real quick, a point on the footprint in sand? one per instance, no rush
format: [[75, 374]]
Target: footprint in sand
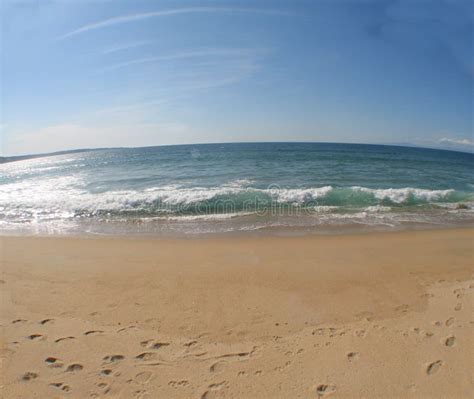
[[158, 345], [34, 336], [360, 333], [29, 375], [458, 307], [93, 332], [212, 390], [64, 339], [366, 315], [217, 367], [434, 367], [145, 356], [153, 344], [56, 384], [240, 355], [53, 362], [72, 368], [177, 384], [113, 358], [352, 356], [123, 329], [144, 377], [140, 394], [106, 372], [402, 308], [428, 334], [45, 321], [427, 295], [104, 386], [325, 390], [60, 385], [450, 341], [449, 322], [19, 321]]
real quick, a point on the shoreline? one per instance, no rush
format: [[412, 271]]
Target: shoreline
[[272, 231], [359, 315]]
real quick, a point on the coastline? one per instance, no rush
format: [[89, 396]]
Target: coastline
[[381, 314], [187, 231]]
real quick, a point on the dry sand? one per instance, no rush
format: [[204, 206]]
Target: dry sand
[[364, 316]]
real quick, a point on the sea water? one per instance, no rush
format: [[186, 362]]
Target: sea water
[[249, 187]]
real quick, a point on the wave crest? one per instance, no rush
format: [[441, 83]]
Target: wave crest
[[400, 195], [64, 199]]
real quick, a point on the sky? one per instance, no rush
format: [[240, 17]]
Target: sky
[[86, 74]]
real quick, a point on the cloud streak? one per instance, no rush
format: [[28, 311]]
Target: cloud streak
[[126, 46], [132, 107], [163, 13], [184, 55]]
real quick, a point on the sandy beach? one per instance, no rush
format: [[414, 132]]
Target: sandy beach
[[386, 315]]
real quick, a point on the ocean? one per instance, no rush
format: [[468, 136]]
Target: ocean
[[277, 188]]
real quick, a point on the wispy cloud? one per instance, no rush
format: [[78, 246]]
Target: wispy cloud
[[184, 55], [132, 107], [209, 75], [458, 142], [163, 13], [215, 68], [126, 46]]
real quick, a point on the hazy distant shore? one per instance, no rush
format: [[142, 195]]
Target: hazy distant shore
[[375, 315]]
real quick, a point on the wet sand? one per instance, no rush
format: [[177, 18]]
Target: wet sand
[[353, 316]]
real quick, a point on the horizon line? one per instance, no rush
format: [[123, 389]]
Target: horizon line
[[86, 149]]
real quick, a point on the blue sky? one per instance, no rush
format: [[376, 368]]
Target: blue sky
[[81, 74]]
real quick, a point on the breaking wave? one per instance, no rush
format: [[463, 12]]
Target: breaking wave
[[61, 198]]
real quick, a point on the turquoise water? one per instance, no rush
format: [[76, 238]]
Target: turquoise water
[[216, 188]]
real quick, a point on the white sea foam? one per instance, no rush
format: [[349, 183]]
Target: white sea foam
[[299, 196], [66, 196], [377, 208], [400, 195], [325, 208], [217, 216]]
